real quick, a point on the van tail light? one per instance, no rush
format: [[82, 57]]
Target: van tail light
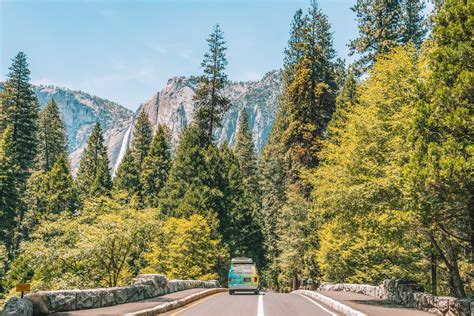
[[255, 279], [229, 280]]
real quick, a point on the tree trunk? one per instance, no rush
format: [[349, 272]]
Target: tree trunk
[[295, 281], [449, 258], [434, 276]]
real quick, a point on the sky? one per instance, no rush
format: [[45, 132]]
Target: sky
[[125, 51]]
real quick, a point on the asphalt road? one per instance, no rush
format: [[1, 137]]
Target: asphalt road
[[265, 304]]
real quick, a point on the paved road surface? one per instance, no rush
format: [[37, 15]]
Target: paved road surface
[[265, 304]]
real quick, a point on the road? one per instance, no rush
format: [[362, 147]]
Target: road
[[265, 304]]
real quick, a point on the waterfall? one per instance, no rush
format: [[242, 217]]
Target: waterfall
[[123, 148]]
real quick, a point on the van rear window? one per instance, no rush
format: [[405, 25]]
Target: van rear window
[[243, 268]]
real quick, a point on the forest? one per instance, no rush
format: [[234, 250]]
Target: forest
[[366, 176]]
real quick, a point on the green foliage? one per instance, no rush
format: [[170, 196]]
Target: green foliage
[[184, 248], [93, 176], [52, 141], [385, 24], [414, 22], [358, 188], [291, 227], [244, 151], [441, 163], [127, 176], [97, 248], [19, 108], [9, 196], [156, 167], [141, 139], [211, 104], [244, 234]]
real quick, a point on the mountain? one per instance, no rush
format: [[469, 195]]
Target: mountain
[[173, 106], [80, 111]]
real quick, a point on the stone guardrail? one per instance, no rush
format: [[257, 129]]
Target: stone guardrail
[[409, 294], [142, 287]]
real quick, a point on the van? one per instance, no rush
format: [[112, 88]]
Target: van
[[243, 276]]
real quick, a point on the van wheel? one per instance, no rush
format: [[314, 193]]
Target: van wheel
[[231, 292]]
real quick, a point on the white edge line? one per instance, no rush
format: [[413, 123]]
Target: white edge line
[[316, 303], [260, 305]]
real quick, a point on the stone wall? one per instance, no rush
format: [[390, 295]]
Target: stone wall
[[142, 287], [409, 294]]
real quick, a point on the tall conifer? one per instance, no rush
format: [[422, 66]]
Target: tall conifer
[[156, 167], [211, 104], [52, 140], [9, 196], [244, 151], [380, 29], [93, 176], [20, 110]]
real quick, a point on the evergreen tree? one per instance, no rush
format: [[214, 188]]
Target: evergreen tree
[[294, 50], [244, 151], [9, 196], [441, 168], [93, 176], [63, 196], [127, 176], [156, 167], [211, 104], [20, 110], [141, 139], [380, 29], [345, 102], [245, 238], [52, 141], [414, 23], [311, 98], [273, 184]]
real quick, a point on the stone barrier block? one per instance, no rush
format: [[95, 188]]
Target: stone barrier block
[[121, 295], [18, 307], [107, 297], [88, 299], [62, 300]]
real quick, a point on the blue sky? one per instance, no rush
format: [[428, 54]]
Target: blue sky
[[126, 50]]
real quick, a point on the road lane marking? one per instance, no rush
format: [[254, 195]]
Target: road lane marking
[[260, 305], [193, 304], [319, 305]]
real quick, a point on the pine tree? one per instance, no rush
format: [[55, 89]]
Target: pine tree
[[9, 196], [127, 176], [273, 184], [93, 176], [141, 139], [61, 192], [211, 104], [245, 236], [442, 189], [52, 141], [345, 101], [187, 173], [244, 151], [310, 98], [20, 110], [294, 50], [414, 23], [156, 167], [380, 29]]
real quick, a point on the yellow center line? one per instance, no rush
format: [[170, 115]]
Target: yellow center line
[[195, 303]]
